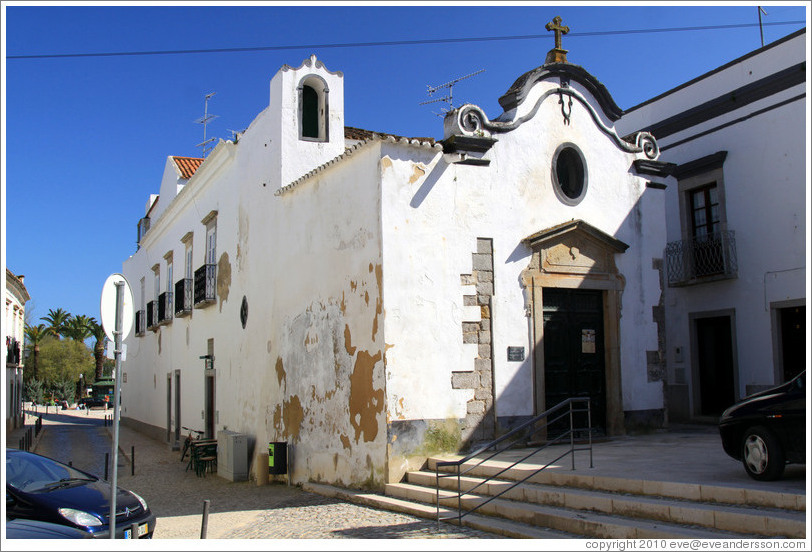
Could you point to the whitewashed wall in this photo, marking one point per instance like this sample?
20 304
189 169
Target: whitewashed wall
766 196
433 213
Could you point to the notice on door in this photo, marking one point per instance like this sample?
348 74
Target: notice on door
587 341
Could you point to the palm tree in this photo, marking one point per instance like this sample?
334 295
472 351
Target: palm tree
77 328
34 335
56 320
97 332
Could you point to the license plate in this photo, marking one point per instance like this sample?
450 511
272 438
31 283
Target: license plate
142 530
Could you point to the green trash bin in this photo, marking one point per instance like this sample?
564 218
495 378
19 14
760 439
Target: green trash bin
277 458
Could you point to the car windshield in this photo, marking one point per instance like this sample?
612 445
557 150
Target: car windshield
33 473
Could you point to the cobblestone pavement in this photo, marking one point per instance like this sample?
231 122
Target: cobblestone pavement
316 517
237 510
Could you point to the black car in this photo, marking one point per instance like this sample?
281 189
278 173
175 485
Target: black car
766 430
94 402
42 489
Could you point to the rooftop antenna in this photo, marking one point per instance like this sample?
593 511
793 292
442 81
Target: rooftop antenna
760 27
204 120
449 99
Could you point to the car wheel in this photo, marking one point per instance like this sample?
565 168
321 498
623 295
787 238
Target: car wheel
762 456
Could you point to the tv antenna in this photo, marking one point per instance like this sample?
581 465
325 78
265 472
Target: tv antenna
204 120
760 25
449 99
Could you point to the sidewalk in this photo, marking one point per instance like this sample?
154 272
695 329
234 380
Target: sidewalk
244 510
238 510
684 454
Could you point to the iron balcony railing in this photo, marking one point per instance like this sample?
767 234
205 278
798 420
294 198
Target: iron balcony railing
152 315
701 259
205 281
534 430
165 308
140 320
14 353
183 297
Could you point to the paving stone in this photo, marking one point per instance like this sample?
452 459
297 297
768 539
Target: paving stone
237 510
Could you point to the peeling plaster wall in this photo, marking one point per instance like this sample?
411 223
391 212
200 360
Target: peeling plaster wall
323 391
433 214
308 366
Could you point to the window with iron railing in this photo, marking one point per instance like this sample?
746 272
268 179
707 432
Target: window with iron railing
702 258
205 282
152 315
165 307
13 355
183 297
139 322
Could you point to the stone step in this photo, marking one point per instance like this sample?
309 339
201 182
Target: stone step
497 526
579 522
581 478
734 518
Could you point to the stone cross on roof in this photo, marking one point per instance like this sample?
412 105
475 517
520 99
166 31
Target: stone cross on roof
557 54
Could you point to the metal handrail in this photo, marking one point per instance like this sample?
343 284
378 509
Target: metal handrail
508 440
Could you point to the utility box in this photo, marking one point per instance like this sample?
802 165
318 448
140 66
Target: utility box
277 458
232 455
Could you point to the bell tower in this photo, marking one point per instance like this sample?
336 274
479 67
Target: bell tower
307 109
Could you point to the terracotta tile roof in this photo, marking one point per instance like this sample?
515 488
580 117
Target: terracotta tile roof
352 133
187 165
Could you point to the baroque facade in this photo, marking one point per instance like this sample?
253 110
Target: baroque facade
367 298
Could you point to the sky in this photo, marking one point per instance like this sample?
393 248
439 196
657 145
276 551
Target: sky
85 138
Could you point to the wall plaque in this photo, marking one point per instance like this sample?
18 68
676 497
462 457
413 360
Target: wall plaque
515 354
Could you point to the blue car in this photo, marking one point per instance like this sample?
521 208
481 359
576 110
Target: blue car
32 529
42 489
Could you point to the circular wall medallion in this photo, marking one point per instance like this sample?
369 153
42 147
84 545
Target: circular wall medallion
244 311
569 174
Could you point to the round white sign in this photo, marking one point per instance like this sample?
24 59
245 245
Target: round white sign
108 306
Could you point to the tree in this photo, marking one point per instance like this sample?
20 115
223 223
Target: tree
97 333
64 389
64 359
77 328
33 391
35 335
56 320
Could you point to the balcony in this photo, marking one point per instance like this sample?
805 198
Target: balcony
183 297
205 282
139 323
701 259
152 316
13 354
165 308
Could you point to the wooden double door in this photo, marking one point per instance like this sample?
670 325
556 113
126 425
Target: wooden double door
574 356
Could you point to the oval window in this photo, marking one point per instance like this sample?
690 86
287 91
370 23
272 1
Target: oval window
569 174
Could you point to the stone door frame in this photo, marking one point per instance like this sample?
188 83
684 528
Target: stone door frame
575 255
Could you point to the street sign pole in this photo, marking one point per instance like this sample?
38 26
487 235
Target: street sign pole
117 319
116 402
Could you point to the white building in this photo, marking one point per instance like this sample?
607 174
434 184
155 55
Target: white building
735 299
14 332
368 298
